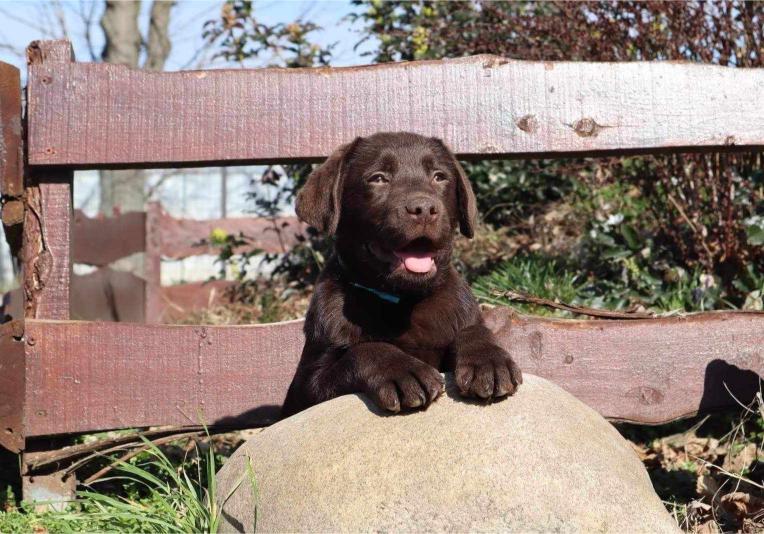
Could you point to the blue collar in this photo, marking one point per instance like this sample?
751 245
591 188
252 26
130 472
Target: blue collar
389 297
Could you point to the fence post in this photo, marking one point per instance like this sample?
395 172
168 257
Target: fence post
45 254
11 156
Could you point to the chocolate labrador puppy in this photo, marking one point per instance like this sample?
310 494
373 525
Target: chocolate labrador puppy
389 311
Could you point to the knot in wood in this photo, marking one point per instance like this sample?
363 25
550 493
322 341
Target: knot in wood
536 345
646 395
585 127
528 124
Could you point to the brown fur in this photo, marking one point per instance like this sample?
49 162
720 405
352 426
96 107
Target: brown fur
384 193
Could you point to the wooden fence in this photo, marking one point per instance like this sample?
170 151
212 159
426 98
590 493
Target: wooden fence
59 376
110 295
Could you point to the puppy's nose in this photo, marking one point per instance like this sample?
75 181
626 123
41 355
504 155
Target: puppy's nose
422 209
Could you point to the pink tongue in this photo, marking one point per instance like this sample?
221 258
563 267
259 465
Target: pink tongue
416 263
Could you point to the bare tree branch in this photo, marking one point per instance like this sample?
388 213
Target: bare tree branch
12 50
42 30
158 46
88 19
60 17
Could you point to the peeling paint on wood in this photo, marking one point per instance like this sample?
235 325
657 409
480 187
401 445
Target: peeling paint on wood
46 259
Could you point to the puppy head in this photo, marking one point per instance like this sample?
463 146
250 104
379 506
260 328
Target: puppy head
394 201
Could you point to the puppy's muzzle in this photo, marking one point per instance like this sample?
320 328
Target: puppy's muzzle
422 209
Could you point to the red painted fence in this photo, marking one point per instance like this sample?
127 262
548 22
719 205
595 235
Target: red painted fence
58 376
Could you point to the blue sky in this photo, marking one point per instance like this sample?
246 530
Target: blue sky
22 21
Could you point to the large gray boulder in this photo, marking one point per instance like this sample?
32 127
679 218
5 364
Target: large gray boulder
539 461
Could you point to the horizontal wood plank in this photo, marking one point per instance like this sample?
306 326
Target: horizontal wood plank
117 375
183 238
94 376
100 241
100 115
645 371
119 296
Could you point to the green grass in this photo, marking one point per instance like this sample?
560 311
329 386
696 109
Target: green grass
557 280
535 275
154 493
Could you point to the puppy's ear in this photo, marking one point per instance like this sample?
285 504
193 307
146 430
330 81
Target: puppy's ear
465 198
467 203
318 202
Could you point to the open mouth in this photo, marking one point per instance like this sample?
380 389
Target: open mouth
417 257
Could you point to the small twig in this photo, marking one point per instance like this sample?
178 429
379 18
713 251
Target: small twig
135 452
579 310
736 476
40 460
692 226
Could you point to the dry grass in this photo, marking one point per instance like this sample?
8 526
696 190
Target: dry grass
711 479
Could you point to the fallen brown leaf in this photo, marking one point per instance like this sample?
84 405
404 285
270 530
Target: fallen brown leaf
742 505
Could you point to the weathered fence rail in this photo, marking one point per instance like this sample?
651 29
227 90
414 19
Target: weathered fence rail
238 375
83 114
109 295
59 377
100 241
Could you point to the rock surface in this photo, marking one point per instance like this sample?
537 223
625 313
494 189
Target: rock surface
539 461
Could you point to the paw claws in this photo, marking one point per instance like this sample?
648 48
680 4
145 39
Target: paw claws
488 377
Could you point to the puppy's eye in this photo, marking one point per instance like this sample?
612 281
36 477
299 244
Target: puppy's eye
439 176
377 178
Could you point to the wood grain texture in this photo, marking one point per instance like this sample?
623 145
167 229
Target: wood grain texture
45 255
119 375
99 241
648 371
12 383
11 158
95 115
50 52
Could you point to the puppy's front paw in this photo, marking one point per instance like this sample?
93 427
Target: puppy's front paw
406 385
490 374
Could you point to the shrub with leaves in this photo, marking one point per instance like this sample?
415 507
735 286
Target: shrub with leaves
702 212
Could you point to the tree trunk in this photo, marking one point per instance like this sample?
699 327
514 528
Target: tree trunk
158 47
123 191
